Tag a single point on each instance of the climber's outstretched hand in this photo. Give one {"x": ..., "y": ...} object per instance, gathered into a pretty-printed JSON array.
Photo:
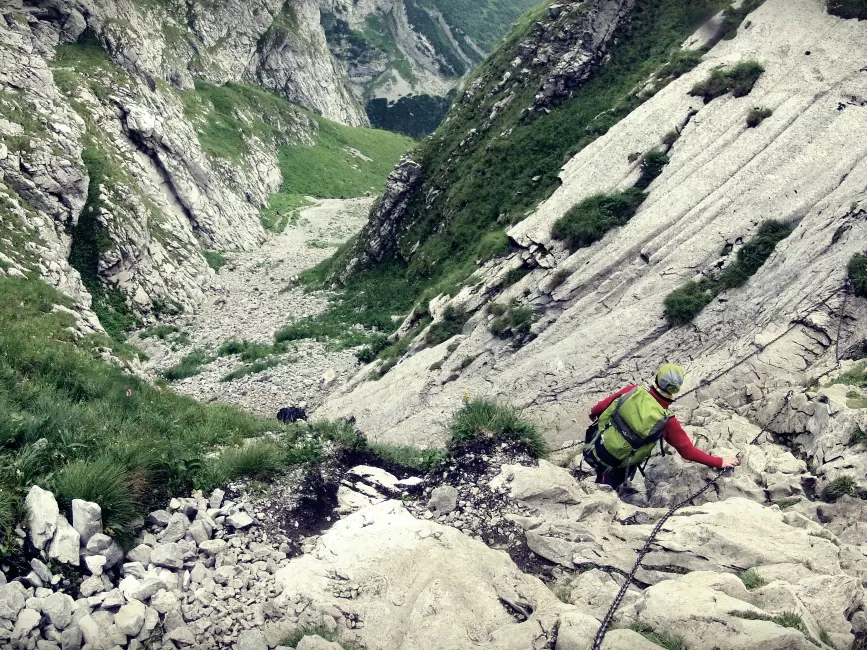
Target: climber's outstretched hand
[{"x": 730, "y": 461}]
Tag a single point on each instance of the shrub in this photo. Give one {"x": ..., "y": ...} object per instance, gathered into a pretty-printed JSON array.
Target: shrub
[
  {"x": 451, "y": 324},
  {"x": 258, "y": 460},
  {"x": 857, "y": 271},
  {"x": 189, "y": 366},
  {"x": 848, "y": 8},
  {"x": 514, "y": 276},
  {"x": 588, "y": 221},
  {"x": 855, "y": 376},
  {"x": 839, "y": 487},
  {"x": 652, "y": 164},
  {"x": 751, "y": 579},
  {"x": 668, "y": 641},
  {"x": 738, "y": 80},
  {"x": 512, "y": 320},
  {"x": 671, "y": 137},
  {"x": 214, "y": 259},
  {"x": 685, "y": 303},
  {"x": 103, "y": 481},
  {"x": 486, "y": 419},
  {"x": 161, "y": 332},
  {"x": 758, "y": 115},
  {"x": 250, "y": 369}
]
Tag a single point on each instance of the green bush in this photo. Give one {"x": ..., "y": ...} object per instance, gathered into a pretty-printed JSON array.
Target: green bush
[
  {"x": 855, "y": 376},
  {"x": 839, "y": 487},
  {"x": 751, "y": 579},
  {"x": 215, "y": 260},
  {"x": 451, "y": 324},
  {"x": 247, "y": 350},
  {"x": 485, "y": 419},
  {"x": 259, "y": 460},
  {"x": 848, "y": 8},
  {"x": 250, "y": 369},
  {"x": 667, "y": 641},
  {"x": 758, "y": 115},
  {"x": 858, "y": 274},
  {"x": 189, "y": 366},
  {"x": 512, "y": 320},
  {"x": 588, "y": 221},
  {"x": 738, "y": 80},
  {"x": 685, "y": 303},
  {"x": 106, "y": 482},
  {"x": 652, "y": 164}
]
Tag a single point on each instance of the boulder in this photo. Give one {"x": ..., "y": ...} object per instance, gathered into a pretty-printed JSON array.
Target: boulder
[
  {"x": 314, "y": 642},
  {"x": 58, "y": 608},
  {"x": 86, "y": 519},
  {"x": 12, "y": 599},
  {"x": 42, "y": 513},
  {"x": 443, "y": 500},
  {"x": 130, "y": 618},
  {"x": 239, "y": 520},
  {"x": 252, "y": 640},
  {"x": 65, "y": 544},
  {"x": 170, "y": 556},
  {"x": 175, "y": 529}
]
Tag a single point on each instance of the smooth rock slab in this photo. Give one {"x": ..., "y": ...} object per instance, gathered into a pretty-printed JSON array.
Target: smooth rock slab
[{"x": 42, "y": 513}]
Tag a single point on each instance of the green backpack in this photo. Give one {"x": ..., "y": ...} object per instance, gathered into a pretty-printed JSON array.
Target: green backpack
[{"x": 628, "y": 431}]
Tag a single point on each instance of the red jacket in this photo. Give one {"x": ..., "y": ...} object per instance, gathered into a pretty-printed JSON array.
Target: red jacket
[{"x": 673, "y": 433}]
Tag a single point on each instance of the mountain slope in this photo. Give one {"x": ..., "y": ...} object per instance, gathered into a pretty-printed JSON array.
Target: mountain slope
[{"x": 598, "y": 313}]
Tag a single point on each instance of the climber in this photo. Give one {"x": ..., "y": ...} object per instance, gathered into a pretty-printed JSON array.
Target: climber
[{"x": 628, "y": 424}]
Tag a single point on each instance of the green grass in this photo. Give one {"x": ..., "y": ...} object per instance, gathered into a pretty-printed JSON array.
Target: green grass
[
  {"x": 420, "y": 460},
  {"x": 663, "y": 639},
  {"x": 329, "y": 170},
  {"x": 737, "y": 80},
  {"x": 251, "y": 369},
  {"x": 652, "y": 164},
  {"x": 786, "y": 619},
  {"x": 839, "y": 487},
  {"x": 371, "y": 305},
  {"x": 450, "y": 325},
  {"x": 857, "y": 273},
  {"x": 486, "y": 419},
  {"x": 687, "y": 302},
  {"x": 848, "y": 8},
  {"x": 751, "y": 579},
  {"x": 189, "y": 366},
  {"x": 282, "y": 210},
  {"x": 215, "y": 260},
  {"x": 855, "y": 376},
  {"x": 161, "y": 332},
  {"x": 758, "y": 115},
  {"x": 787, "y": 502},
  {"x": 247, "y": 350},
  {"x": 259, "y": 460},
  {"x": 59, "y": 390},
  {"x": 588, "y": 221},
  {"x": 512, "y": 320},
  {"x": 294, "y": 639},
  {"x": 858, "y": 437}
]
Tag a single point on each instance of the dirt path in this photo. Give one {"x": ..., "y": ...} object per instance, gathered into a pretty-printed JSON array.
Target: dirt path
[{"x": 250, "y": 307}]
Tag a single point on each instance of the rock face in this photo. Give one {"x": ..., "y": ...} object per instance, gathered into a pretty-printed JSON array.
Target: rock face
[{"x": 599, "y": 312}]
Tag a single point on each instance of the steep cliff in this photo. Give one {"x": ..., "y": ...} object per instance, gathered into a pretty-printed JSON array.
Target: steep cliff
[{"x": 553, "y": 324}]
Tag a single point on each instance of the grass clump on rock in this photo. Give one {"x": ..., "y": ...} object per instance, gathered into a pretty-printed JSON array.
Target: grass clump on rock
[
  {"x": 451, "y": 324},
  {"x": 737, "y": 80},
  {"x": 758, "y": 115},
  {"x": 652, "y": 164},
  {"x": 848, "y": 8},
  {"x": 667, "y": 641},
  {"x": 215, "y": 260},
  {"x": 685, "y": 303},
  {"x": 511, "y": 320},
  {"x": 486, "y": 419},
  {"x": 857, "y": 271},
  {"x": 841, "y": 486},
  {"x": 588, "y": 221},
  {"x": 751, "y": 579}
]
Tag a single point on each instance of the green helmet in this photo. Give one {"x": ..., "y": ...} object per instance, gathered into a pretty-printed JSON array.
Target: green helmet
[{"x": 669, "y": 380}]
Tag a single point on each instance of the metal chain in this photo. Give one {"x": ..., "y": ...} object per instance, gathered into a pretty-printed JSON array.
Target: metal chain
[{"x": 609, "y": 617}]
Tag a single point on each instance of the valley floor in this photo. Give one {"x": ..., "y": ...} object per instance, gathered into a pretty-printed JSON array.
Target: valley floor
[{"x": 251, "y": 305}]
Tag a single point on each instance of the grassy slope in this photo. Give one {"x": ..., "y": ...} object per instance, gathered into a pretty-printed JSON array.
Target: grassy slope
[{"x": 484, "y": 22}]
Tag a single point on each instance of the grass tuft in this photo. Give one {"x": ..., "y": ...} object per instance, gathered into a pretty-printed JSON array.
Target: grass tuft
[
  {"x": 247, "y": 350},
  {"x": 848, "y": 8},
  {"x": 588, "y": 221},
  {"x": 189, "y": 366},
  {"x": 758, "y": 115},
  {"x": 512, "y": 320},
  {"x": 857, "y": 272},
  {"x": 737, "y": 80},
  {"x": 751, "y": 579},
  {"x": 451, "y": 324},
  {"x": 652, "y": 164},
  {"x": 259, "y": 460},
  {"x": 215, "y": 260},
  {"x": 858, "y": 437},
  {"x": 841, "y": 486},
  {"x": 251, "y": 369},
  {"x": 685, "y": 303},
  {"x": 486, "y": 419},
  {"x": 667, "y": 641}
]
